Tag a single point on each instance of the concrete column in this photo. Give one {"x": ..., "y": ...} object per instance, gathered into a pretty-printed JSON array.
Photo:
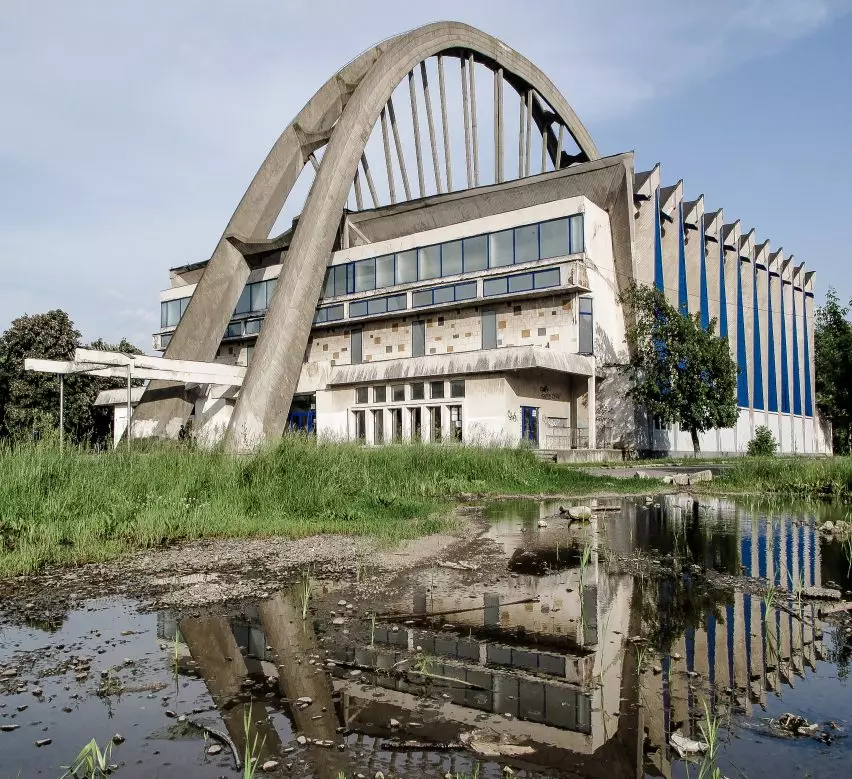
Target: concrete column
[{"x": 592, "y": 413}]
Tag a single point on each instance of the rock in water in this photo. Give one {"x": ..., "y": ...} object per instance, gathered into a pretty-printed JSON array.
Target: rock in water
[
  {"x": 580, "y": 512},
  {"x": 701, "y": 476},
  {"x": 269, "y": 765},
  {"x": 687, "y": 746}
]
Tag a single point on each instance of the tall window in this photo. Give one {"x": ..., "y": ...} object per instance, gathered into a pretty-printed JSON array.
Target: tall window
[
  {"x": 359, "y": 418},
  {"x": 587, "y": 330},
  {"x": 356, "y": 346},
  {"x": 418, "y": 339},
  {"x": 435, "y": 413},
  {"x": 416, "y": 424},
  {"x": 489, "y": 329},
  {"x": 456, "y": 422},
  {"x": 379, "y": 426}
]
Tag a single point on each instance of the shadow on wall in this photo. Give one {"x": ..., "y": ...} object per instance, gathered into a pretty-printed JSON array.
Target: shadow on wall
[{"x": 617, "y": 417}]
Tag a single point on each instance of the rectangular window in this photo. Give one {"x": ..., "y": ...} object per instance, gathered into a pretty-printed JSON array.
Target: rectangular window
[
  {"x": 475, "y": 253},
  {"x": 457, "y": 388},
  {"x": 577, "y": 242},
  {"x": 526, "y": 243},
  {"x": 429, "y": 262},
  {"x": 358, "y": 308},
  {"x": 498, "y": 286},
  {"x": 171, "y": 311},
  {"x": 418, "y": 390},
  {"x": 466, "y": 291},
  {"x": 522, "y": 283},
  {"x": 270, "y": 290},
  {"x": 443, "y": 295},
  {"x": 435, "y": 414},
  {"x": 489, "y": 329},
  {"x": 396, "y": 424},
  {"x": 165, "y": 340},
  {"x": 547, "y": 278},
  {"x": 554, "y": 238},
  {"x": 380, "y": 394},
  {"x": 451, "y": 258},
  {"x": 360, "y": 425},
  {"x": 249, "y": 354},
  {"x": 406, "y": 266},
  {"x": 397, "y": 303},
  {"x": 456, "y": 422},
  {"x": 418, "y": 339},
  {"x": 587, "y": 334},
  {"x": 436, "y": 389},
  {"x": 334, "y": 313},
  {"x": 258, "y": 297},
  {"x": 244, "y": 302},
  {"x": 365, "y": 275},
  {"x": 398, "y": 393},
  {"x": 421, "y": 298},
  {"x": 253, "y": 326},
  {"x": 500, "y": 249},
  {"x": 377, "y": 306},
  {"x": 379, "y": 426},
  {"x": 356, "y": 347},
  {"x": 340, "y": 286},
  {"x": 328, "y": 284},
  {"x": 360, "y": 395},
  {"x": 416, "y": 424},
  {"x": 384, "y": 271}
]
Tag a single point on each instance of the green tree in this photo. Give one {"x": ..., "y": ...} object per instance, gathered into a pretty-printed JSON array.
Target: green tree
[
  {"x": 29, "y": 401},
  {"x": 833, "y": 369},
  {"x": 680, "y": 372}
]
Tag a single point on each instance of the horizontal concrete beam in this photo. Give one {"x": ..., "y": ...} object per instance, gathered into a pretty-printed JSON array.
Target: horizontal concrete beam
[
  {"x": 232, "y": 374},
  {"x": 136, "y": 372}
]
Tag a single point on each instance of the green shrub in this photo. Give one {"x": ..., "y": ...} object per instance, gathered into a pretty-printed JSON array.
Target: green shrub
[{"x": 763, "y": 444}]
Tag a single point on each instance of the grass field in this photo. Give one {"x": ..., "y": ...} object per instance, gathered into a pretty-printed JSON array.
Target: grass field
[
  {"x": 787, "y": 476},
  {"x": 75, "y": 506}
]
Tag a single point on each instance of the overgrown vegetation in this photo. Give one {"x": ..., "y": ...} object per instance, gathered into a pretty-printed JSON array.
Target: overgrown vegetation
[
  {"x": 76, "y": 506},
  {"x": 833, "y": 369},
  {"x": 792, "y": 477},
  {"x": 763, "y": 444}
]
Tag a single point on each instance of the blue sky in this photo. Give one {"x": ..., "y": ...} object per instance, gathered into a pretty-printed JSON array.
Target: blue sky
[{"x": 130, "y": 130}]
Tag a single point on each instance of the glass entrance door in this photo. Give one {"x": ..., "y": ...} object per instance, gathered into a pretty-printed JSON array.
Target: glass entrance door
[{"x": 529, "y": 425}]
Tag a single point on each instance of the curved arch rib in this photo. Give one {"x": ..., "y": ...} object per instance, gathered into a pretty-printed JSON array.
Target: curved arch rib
[{"x": 266, "y": 394}]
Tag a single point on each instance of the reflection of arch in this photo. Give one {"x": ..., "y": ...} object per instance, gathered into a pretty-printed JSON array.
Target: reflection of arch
[{"x": 341, "y": 117}]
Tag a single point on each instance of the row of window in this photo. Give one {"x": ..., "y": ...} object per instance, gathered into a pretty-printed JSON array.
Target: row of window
[
  {"x": 171, "y": 311},
  {"x": 521, "y": 282},
  {"x": 255, "y": 298},
  {"x": 434, "y": 419},
  {"x": 540, "y": 241},
  {"x": 400, "y": 393}
]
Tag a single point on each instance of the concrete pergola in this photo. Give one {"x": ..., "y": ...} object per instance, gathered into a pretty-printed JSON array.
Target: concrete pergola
[{"x": 339, "y": 119}]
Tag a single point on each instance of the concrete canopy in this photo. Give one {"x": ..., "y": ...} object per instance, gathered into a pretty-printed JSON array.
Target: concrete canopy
[{"x": 340, "y": 116}]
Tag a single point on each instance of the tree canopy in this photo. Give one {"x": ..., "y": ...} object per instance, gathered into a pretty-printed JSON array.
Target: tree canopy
[
  {"x": 833, "y": 368},
  {"x": 29, "y": 402},
  {"x": 680, "y": 371}
]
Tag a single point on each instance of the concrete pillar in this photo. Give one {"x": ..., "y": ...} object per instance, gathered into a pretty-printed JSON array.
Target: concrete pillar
[{"x": 592, "y": 413}]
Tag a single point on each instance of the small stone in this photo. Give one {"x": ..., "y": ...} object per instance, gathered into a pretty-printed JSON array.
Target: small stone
[
  {"x": 301, "y": 740},
  {"x": 305, "y": 700},
  {"x": 657, "y": 669},
  {"x": 214, "y": 750},
  {"x": 118, "y": 739},
  {"x": 355, "y": 672},
  {"x": 269, "y": 765},
  {"x": 394, "y": 723},
  {"x": 23, "y": 707},
  {"x": 9, "y": 673},
  {"x": 8, "y": 728},
  {"x": 338, "y": 621},
  {"x": 170, "y": 713},
  {"x": 38, "y": 692},
  {"x": 43, "y": 742},
  {"x": 379, "y": 775},
  {"x": 508, "y": 715},
  {"x": 542, "y": 523},
  {"x": 341, "y": 603}
]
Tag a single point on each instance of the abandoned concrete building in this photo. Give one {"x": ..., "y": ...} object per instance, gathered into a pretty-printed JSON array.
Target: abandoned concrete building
[{"x": 465, "y": 285}]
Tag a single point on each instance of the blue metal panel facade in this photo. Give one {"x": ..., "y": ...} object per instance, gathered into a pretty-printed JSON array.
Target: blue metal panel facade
[
  {"x": 682, "y": 291},
  {"x": 742, "y": 362},
  {"x": 772, "y": 375},
  {"x": 758, "y": 356},
  {"x": 705, "y": 303},
  {"x": 785, "y": 382},
  {"x": 659, "y": 281}
]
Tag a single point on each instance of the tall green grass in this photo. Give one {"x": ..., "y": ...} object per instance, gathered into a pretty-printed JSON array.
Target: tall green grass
[
  {"x": 75, "y": 506},
  {"x": 789, "y": 476}
]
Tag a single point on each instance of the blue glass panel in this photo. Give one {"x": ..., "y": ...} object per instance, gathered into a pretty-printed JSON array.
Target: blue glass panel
[
  {"x": 451, "y": 258},
  {"x": 742, "y": 362},
  {"x": 547, "y": 278},
  {"x": 443, "y": 295},
  {"x": 475, "y": 253},
  {"x": 554, "y": 239},
  {"x": 797, "y": 379},
  {"x": 659, "y": 283},
  {"x": 397, "y": 303},
  {"x": 522, "y": 283},
  {"x": 335, "y": 312},
  {"x": 772, "y": 375},
  {"x": 421, "y": 298},
  {"x": 466, "y": 291},
  {"x": 377, "y": 306},
  {"x": 500, "y": 249},
  {"x": 757, "y": 349},
  {"x": 526, "y": 243},
  {"x": 358, "y": 308},
  {"x": 703, "y": 292},
  {"x": 494, "y": 286},
  {"x": 577, "y": 238},
  {"x": 683, "y": 292}
]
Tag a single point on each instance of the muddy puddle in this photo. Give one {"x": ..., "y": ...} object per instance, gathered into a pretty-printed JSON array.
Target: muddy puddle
[{"x": 581, "y": 652}]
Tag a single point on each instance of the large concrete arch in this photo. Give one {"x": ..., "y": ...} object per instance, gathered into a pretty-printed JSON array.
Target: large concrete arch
[{"x": 342, "y": 115}]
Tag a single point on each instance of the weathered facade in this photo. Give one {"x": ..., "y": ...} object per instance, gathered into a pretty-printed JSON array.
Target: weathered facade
[{"x": 487, "y": 313}]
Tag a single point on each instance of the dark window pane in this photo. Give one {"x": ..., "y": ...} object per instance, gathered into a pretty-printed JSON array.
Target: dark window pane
[
  {"x": 398, "y": 393},
  {"x": 526, "y": 243},
  {"x": 500, "y": 249},
  {"x": 429, "y": 262},
  {"x": 384, "y": 271},
  {"x": 397, "y": 303},
  {"x": 165, "y": 340},
  {"x": 443, "y": 295},
  {"x": 164, "y": 314},
  {"x": 587, "y": 336},
  {"x": 451, "y": 258},
  {"x": 475, "y": 253},
  {"x": 554, "y": 238},
  {"x": 521, "y": 283},
  {"x": 377, "y": 306},
  {"x": 328, "y": 284},
  {"x": 360, "y": 394},
  {"x": 235, "y": 330},
  {"x": 494, "y": 286},
  {"x": 270, "y": 291},
  {"x": 489, "y": 329},
  {"x": 355, "y": 347},
  {"x": 184, "y": 302},
  {"x": 466, "y": 291},
  {"x": 436, "y": 389},
  {"x": 365, "y": 275},
  {"x": 340, "y": 280},
  {"x": 358, "y": 308},
  {"x": 421, "y": 298},
  {"x": 335, "y": 312},
  {"x": 253, "y": 326},
  {"x": 258, "y": 297},
  {"x": 244, "y": 303},
  {"x": 380, "y": 394},
  {"x": 418, "y": 339},
  {"x": 457, "y": 389},
  {"x": 577, "y": 242},
  {"x": 172, "y": 313},
  {"x": 417, "y": 391},
  {"x": 321, "y": 316},
  {"x": 406, "y": 266},
  {"x": 547, "y": 278}
]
